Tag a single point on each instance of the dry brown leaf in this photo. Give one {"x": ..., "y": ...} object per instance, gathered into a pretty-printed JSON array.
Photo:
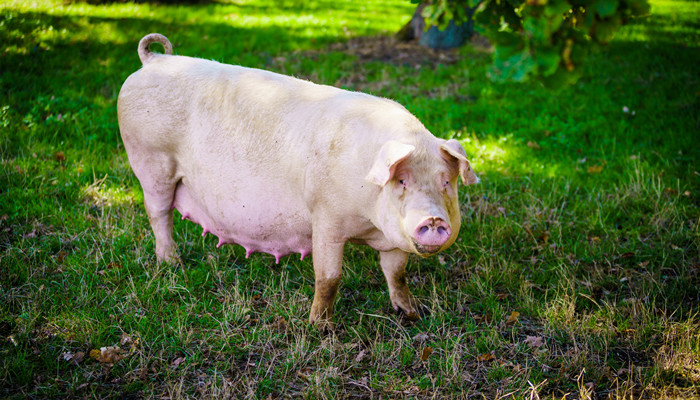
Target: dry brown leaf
[
  {"x": 595, "y": 169},
  {"x": 177, "y": 362},
  {"x": 126, "y": 339},
  {"x": 360, "y": 356},
  {"x": 512, "y": 318},
  {"x": 534, "y": 341},
  {"x": 427, "y": 351},
  {"x": 61, "y": 256},
  {"x": 108, "y": 355},
  {"x": 76, "y": 358},
  {"x": 421, "y": 337},
  {"x": 485, "y": 357},
  {"x": 533, "y": 145}
]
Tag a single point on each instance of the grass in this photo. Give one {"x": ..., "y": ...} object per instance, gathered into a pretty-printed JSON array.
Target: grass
[{"x": 575, "y": 274}]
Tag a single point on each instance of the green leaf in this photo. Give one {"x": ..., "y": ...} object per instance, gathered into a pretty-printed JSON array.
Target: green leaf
[
  {"x": 606, "y": 8},
  {"x": 548, "y": 61},
  {"x": 557, "y": 8},
  {"x": 604, "y": 31},
  {"x": 511, "y": 18},
  {"x": 515, "y": 67}
]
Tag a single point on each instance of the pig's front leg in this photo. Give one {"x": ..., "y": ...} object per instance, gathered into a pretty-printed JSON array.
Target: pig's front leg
[
  {"x": 328, "y": 261},
  {"x": 393, "y": 265}
]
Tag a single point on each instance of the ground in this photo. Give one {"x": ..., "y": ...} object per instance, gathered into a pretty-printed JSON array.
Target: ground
[{"x": 575, "y": 274}]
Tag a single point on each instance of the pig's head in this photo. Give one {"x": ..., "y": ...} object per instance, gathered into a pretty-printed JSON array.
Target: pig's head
[{"x": 418, "y": 209}]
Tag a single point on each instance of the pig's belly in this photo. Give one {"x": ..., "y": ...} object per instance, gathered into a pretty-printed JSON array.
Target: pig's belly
[{"x": 273, "y": 225}]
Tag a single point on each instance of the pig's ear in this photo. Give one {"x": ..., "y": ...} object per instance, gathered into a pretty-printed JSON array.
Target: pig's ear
[
  {"x": 389, "y": 156},
  {"x": 455, "y": 150}
]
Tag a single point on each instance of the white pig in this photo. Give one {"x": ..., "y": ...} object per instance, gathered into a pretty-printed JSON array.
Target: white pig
[{"x": 282, "y": 165}]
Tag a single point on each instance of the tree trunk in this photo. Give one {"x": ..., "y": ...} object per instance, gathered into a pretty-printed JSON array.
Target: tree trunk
[{"x": 453, "y": 36}]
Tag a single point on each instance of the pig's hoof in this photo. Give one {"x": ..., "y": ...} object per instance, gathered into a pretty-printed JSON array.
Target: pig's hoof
[
  {"x": 409, "y": 309},
  {"x": 171, "y": 259},
  {"x": 411, "y": 315}
]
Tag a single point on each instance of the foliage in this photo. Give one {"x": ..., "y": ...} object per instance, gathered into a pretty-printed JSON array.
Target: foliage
[
  {"x": 544, "y": 39},
  {"x": 576, "y": 273}
]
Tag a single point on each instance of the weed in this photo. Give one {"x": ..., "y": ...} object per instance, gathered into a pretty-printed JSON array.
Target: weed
[{"x": 575, "y": 274}]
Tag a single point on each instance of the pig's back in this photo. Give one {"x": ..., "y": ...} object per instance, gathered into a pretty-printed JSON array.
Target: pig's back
[{"x": 249, "y": 145}]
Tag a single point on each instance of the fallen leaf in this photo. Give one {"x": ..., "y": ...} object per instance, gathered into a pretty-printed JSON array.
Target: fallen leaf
[
  {"x": 126, "y": 339},
  {"x": 30, "y": 235},
  {"x": 595, "y": 169},
  {"x": 533, "y": 145},
  {"x": 413, "y": 389},
  {"x": 74, "y": 358},
  {"x": 61, "y": 256},
  {"x": 501, "y": 296},
  {"x": 512, "y": 318},
  {"x": 360, "y": 356},
  {"x": 427, "y": 351},
  {"x": 485, "y": 357},
  {"x": 421, "y": 337},
  {"x": 534, "y": 341},
  {"x": 108, "y": 355},
  {"x": 177, "y": 362},
  {"x": 60, "y": 156}
]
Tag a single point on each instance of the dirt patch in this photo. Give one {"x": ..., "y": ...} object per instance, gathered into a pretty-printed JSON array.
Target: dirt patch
[{"x": 389, "y": 49}]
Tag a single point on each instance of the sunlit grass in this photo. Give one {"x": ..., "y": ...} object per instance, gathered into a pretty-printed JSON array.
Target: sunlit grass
[{"x": 585, "y": 221}]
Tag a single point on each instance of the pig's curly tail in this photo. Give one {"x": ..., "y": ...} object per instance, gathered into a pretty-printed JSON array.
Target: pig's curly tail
[{"x": 147, "y": 55}]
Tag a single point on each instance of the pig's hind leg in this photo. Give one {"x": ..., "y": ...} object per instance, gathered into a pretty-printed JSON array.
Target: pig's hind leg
[{"x": 158, "y": 180}]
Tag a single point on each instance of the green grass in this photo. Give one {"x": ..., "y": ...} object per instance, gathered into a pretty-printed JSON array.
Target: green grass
[{"x": 586, "y": 222}]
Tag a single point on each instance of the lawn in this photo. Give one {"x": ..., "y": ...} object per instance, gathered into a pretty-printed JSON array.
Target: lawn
[{"x": 576, "y": 273}]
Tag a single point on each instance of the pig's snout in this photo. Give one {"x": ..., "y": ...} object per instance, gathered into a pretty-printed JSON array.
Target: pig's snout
[{"x": 431, "y": 235}]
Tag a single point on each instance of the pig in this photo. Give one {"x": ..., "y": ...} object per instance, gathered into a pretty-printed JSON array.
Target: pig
[{"x": 281, "y": 165}]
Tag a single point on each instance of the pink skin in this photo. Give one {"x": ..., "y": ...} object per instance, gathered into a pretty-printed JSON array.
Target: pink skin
[
  {"x": 432, "y": 234},
  {"x": 281, "y": 166}
]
